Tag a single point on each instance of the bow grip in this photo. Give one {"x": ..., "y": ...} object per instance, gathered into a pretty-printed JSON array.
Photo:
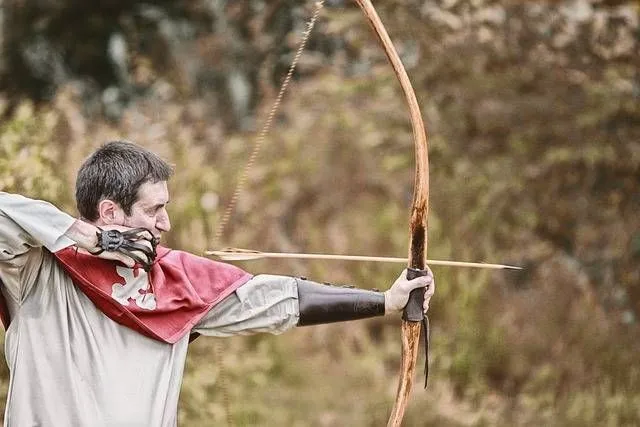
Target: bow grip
[{"x": 413, "y": 311}]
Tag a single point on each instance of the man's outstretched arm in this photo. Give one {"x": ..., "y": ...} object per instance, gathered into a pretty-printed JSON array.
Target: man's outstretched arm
[
  {"x": 320, "y": 304},
  {"x": 275, "y": 304}
]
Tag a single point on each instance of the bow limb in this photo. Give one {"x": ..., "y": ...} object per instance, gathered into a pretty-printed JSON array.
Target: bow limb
[{"x": 413, "y": 315}]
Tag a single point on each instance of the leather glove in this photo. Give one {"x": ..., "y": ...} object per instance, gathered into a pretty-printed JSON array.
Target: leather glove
[
  {"x": 139, "y": 244},
  {"x": 396, "y": 297}
]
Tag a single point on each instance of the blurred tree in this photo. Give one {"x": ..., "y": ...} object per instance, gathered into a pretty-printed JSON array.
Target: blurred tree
[{"x": 119, "y": 50}]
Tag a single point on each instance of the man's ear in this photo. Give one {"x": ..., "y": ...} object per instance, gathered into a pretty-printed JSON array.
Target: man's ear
[{"x": 110, "y": 212}]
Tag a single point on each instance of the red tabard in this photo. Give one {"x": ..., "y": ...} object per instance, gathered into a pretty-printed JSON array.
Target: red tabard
[{"x": 163, "y": 304}]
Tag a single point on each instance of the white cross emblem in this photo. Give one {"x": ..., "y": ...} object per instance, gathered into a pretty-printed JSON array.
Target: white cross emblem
[{"x": 135, "y": 288}]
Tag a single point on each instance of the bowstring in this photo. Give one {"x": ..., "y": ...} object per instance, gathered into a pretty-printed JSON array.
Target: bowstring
[
  {"x": 242, "y": 180},
  {"x": 267, "y": 125}
]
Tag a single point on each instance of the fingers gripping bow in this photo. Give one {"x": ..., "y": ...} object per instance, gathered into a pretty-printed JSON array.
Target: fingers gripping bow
[{"x": 414, "y": 312}]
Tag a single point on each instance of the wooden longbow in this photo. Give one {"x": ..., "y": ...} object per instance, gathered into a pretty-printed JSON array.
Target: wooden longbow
[{"x": 413, "y": 316}]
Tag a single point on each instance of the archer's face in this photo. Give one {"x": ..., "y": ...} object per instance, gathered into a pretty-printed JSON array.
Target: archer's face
[{"x": 149, "y": 211}]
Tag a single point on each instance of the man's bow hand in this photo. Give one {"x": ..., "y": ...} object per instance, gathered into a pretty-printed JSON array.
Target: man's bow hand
[{"x": 396, "y": 298}]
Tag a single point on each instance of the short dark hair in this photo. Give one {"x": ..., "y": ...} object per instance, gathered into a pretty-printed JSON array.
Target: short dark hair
[{"x": 116, "y": 171}]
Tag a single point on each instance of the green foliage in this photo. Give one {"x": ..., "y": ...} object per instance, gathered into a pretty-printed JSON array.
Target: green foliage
[{"x": 28, "y": 158}]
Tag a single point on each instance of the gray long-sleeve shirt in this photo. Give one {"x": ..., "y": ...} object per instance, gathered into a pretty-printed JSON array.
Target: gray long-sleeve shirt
[{"x": 69, "y": 364}]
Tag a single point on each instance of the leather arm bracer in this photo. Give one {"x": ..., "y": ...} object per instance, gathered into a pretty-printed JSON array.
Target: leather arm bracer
[{"x": 328, "y": 303}]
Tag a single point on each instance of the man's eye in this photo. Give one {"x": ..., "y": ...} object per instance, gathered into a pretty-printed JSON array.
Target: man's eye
[{"x": 153, "y": 211}]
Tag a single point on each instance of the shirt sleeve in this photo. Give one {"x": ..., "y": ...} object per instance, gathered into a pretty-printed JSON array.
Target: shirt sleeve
[
  {"x": 266, "y": 303},
  {"x": 26, "y": 223}
]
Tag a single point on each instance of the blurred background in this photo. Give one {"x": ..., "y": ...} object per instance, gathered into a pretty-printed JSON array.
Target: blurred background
[{"x": 533, "y": 115}]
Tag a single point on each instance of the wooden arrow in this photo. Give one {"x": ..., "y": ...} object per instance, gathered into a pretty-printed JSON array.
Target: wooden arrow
[{"x": 236, "y": 254}]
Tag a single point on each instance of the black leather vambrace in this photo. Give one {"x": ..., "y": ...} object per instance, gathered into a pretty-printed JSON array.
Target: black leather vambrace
[{"x": 328, "y": 303}]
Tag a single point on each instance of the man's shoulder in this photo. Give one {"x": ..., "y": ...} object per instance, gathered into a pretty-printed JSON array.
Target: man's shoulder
[
  {"x": 176, "y": 257},
  {"x": 169, "y": 255}
]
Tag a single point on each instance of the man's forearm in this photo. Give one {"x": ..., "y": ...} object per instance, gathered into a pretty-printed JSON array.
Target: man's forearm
[
  {"x": 326, "y": 304},
  {"x": 83, "y": 233},
  {"x": 320, "y": 304}
]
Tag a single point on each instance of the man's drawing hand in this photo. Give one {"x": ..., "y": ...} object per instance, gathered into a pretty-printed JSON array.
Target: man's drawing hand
[{"x": 124, "y": 244}]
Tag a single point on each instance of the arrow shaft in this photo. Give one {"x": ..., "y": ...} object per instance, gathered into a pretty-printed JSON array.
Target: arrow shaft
[{"x": 249, "y": 256}]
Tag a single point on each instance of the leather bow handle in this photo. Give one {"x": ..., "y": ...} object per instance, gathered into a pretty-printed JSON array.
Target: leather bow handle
[{"x": 413, "y": 312}]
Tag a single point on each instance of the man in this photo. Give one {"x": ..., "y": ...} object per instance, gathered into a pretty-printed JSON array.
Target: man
[{"x": 99, "y": 317}]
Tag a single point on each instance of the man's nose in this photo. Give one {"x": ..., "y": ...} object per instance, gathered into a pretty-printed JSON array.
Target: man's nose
[{"x": 163, "y": 224}]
